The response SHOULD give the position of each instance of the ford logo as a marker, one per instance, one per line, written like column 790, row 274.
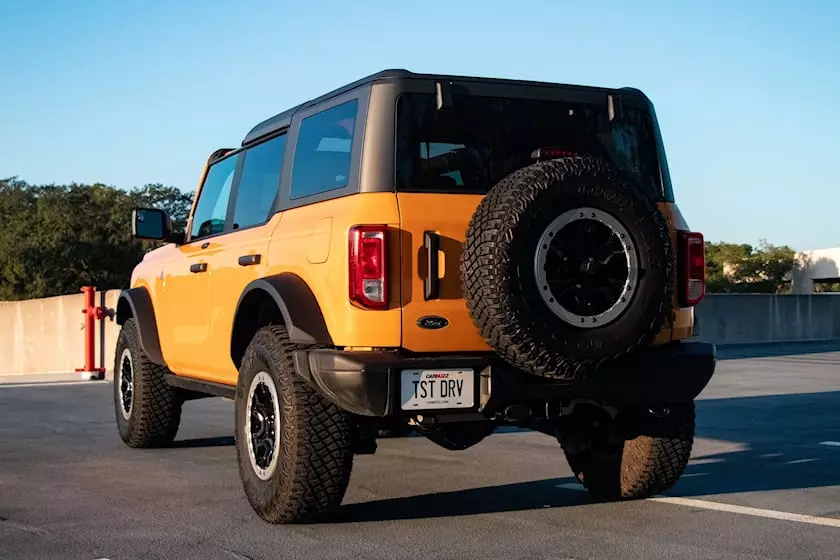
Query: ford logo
column 432, row 322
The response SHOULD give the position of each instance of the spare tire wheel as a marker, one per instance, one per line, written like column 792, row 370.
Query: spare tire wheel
column 567, row 264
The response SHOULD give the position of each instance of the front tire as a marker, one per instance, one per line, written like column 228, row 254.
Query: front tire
column 148, row 409
column 641, row 467
column 294, row 447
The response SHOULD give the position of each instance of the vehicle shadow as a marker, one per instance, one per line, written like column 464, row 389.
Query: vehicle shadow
column 778, row 349
column 776, row 441
column 537, row 494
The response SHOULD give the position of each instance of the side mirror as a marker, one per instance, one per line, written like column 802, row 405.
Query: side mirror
column 153, row 224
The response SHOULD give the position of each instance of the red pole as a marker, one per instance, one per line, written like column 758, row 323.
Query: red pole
column 91, row 314
column 90, row 344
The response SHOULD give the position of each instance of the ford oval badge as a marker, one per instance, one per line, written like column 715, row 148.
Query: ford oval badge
column 432, row 322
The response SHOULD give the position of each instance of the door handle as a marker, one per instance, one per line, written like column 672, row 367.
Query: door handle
column 249, row 260
column 431, row 241
column 198, row 267
column 205, row 244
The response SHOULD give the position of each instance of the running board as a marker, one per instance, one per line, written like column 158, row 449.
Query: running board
column 201, row 388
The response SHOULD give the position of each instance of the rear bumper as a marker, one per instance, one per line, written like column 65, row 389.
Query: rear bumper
column 368, row 383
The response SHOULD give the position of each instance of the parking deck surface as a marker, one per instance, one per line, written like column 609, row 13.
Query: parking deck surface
column 764, row 482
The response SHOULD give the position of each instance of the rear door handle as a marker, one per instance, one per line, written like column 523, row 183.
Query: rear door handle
column 198, row 267
column 431, row 241
column 249, row 260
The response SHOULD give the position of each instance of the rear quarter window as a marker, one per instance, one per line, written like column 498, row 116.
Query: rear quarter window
column 323, row 152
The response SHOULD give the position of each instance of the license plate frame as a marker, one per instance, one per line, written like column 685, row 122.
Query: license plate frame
column 437, row 393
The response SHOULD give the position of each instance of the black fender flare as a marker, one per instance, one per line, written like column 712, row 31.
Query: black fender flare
column 297, row 304
column 137, row 303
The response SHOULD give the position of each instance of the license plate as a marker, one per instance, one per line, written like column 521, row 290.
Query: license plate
column 424, row 389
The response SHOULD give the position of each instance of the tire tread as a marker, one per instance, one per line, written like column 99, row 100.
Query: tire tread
column 316, row 454
column 156, row 413
column 647, row 465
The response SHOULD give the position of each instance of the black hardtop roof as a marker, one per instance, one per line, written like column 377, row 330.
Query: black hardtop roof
column 283, row 119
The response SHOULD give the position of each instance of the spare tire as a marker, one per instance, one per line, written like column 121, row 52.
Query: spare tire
column 567, row 264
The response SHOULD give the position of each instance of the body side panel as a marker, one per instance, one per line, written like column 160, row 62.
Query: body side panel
column 182, row 308
column 300, row 245
column 228, row 280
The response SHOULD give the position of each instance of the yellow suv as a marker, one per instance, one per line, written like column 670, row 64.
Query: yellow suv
column 432, row 253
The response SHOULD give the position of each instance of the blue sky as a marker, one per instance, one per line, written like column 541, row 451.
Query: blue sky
column 127, row 93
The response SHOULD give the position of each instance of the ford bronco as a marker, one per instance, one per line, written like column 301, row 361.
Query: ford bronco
column 436, row 253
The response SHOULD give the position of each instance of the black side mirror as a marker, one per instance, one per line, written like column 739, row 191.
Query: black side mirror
column 153, row 224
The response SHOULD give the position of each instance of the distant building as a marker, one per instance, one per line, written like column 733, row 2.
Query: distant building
column 816, row 267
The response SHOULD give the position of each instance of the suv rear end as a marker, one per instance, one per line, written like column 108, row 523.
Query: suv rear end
column 448, row 159
column 536, row 267
column 441, row 144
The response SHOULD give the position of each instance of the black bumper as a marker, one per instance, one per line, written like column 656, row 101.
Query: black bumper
column 368, row 383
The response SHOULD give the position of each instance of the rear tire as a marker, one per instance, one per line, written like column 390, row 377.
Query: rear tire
column 640, row 467
column 294, row 448
column 148, row 409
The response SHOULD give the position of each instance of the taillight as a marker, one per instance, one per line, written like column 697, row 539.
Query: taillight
column 368, row 269
column 692, row 268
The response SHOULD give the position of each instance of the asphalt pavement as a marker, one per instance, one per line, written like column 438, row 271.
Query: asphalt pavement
column 764, row 482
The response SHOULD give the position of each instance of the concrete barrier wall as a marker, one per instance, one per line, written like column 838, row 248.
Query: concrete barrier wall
column 46, row 336
column 757, row 318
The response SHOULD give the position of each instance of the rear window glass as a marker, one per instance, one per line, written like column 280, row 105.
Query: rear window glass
column 474, row 146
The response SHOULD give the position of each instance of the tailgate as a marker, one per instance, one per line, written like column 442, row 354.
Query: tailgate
column 443, row 220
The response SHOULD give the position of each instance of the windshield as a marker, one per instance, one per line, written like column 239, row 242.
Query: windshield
column 474, row 146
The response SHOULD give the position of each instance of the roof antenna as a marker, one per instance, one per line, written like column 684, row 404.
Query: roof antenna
column 443, row 95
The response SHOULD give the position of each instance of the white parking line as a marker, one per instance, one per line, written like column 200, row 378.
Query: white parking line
column 799, row 461
column 831, row 443
column 50, row 384
column 731, row 508
column 755, row 512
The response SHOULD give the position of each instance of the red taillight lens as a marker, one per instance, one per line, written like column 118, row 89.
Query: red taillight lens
column 692, row 268
column 368, row 267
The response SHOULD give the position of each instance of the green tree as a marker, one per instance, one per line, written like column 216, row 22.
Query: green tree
column 56, row 238
column 718, row 256
column 742, row 268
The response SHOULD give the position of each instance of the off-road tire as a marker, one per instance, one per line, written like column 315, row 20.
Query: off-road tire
column 315, row 451
column 641, row 467
column 156, row 410
column 497, row 267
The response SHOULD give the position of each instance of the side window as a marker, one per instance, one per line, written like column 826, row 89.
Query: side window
column 209, row 217
column 259, row 182
column 324, row 147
